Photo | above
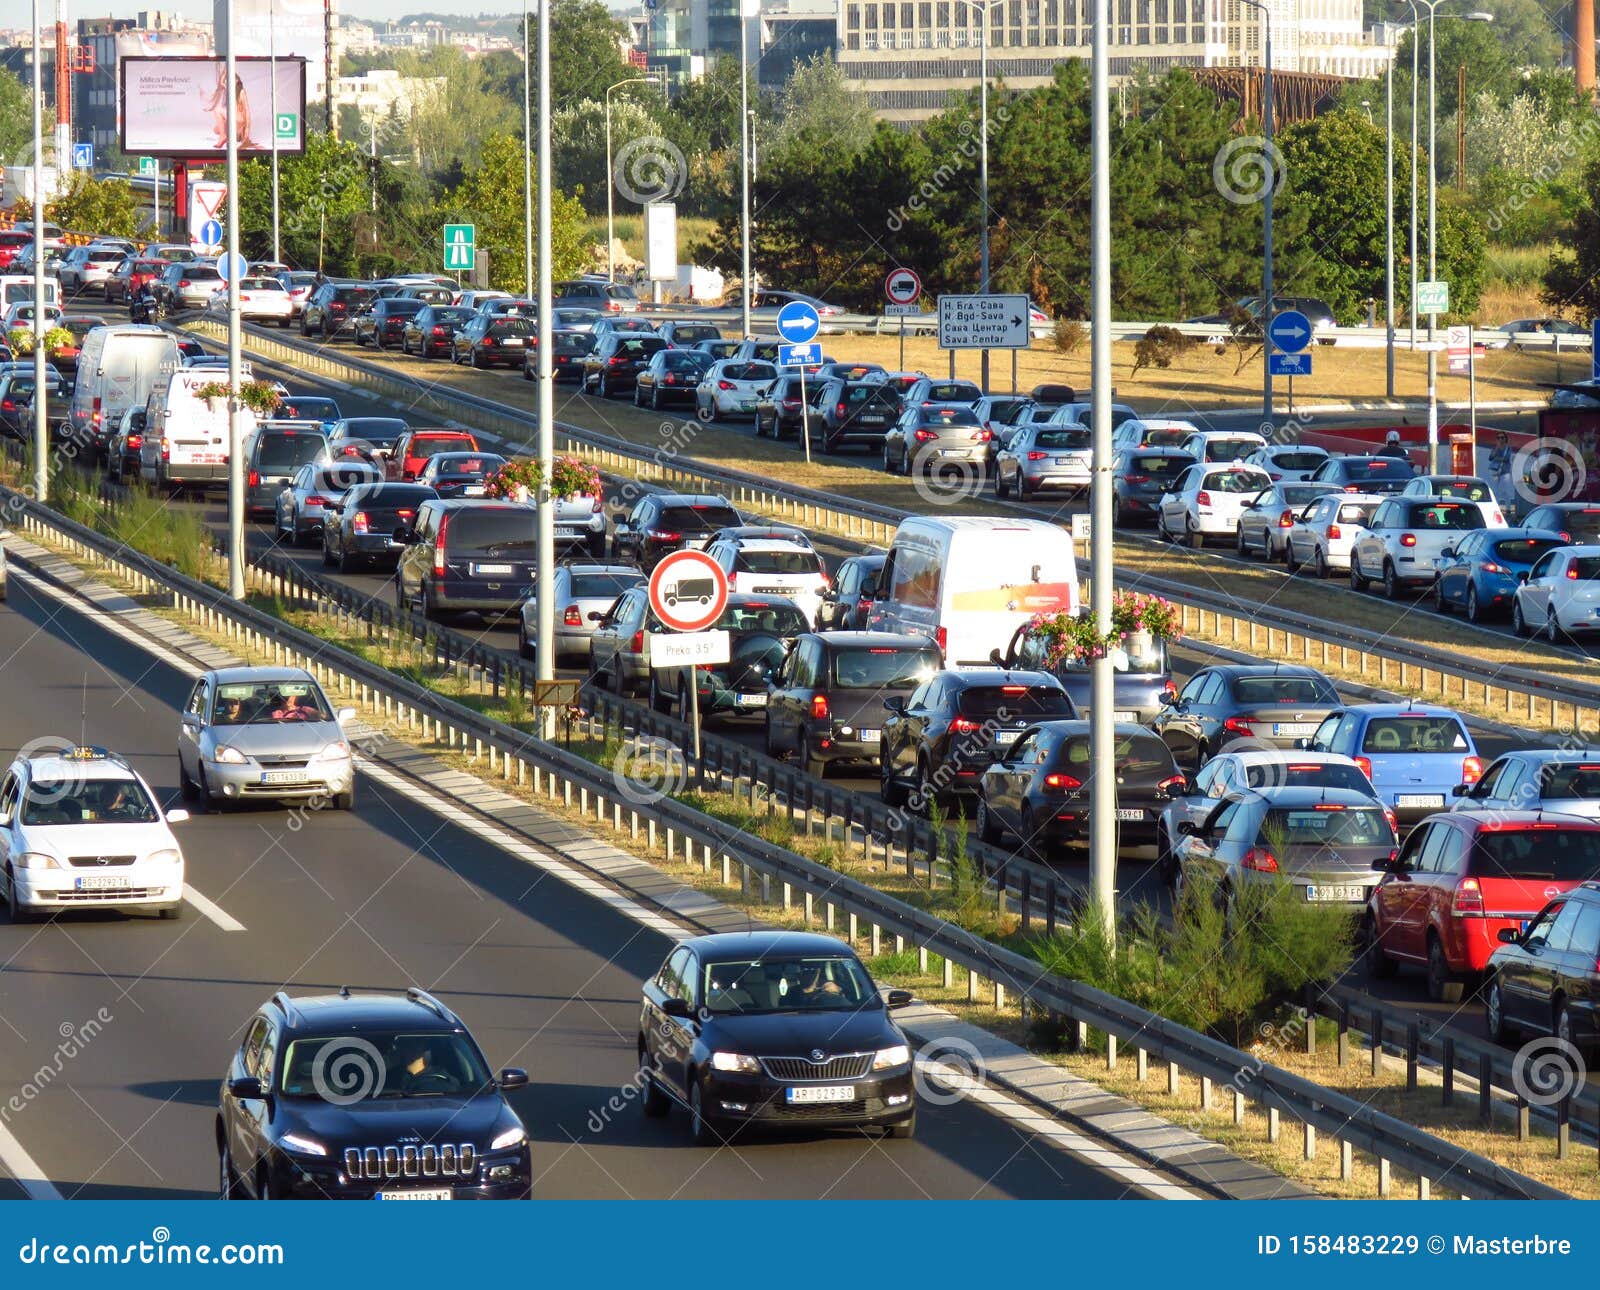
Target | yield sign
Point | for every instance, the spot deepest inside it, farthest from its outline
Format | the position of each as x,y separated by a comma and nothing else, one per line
209,198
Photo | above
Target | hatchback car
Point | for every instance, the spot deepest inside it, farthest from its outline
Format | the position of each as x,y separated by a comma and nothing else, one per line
1480,574
1460,488
459,474
1463,879
385,323
831,697
1323,533
186,286
663,522
1265,524
1545,978
937,740
1141,665
1139,480
731,387
1414,754
785,408
1364,474
570,347
938,389
854,412
429,331
273,454
773,1029
935,439
369,438
304,500
467,554
602,297
1405,539
1560,594
490,340
773,566
684,333
1288,462
415,445
670,376
1575,521
1276,705
583,591
368,526
847,600
1044,456
87,268
331,310
248,733
1134,432
1222,446
1205,502
1565,781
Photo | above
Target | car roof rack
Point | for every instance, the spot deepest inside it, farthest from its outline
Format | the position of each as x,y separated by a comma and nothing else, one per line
421,996
285,1005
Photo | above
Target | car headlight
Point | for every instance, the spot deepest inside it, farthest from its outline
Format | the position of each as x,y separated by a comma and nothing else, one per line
735,1062
232,756
37,860
304,1145
167,856
887,1058
509,1138
333,752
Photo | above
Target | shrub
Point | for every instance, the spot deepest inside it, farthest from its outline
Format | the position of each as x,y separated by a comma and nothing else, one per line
1070,335
1159,346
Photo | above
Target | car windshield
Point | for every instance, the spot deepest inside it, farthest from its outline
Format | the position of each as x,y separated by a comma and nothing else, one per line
429,445
1468,490
1141,756
92,801
1269,690
1376,467
290,449
1584,568
1278,774
1229,449
822,983
1298,460
297,408
380,1066
380,434
1160,467
780,562
1165,438
603,586
1235,481
1444,515
454,463
698,519
1300,494
1414,735
883,668
1325,825
1138,653
1075,439
340,477
1354,513
1524,550
953,392
1013,702
268,703
511,327
1548,853
779,617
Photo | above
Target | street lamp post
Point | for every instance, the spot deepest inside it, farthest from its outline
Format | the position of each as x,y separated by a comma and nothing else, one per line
41,433
545,533
1388,227
272,51
527,154
744,168
611,180
1266,208
236,548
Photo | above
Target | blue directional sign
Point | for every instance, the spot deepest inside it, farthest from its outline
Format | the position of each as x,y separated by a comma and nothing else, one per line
211,233
1289,332
228,265
799,355
1289,365
83,156
798,322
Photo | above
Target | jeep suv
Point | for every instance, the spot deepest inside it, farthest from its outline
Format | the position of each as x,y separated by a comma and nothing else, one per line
367,1097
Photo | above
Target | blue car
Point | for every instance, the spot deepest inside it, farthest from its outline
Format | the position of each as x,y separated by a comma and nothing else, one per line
308,407
1479,575
1414,754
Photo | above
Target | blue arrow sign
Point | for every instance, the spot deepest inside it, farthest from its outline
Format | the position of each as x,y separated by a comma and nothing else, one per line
1289,332
799,355
83,156
798,322
211,233
1289,365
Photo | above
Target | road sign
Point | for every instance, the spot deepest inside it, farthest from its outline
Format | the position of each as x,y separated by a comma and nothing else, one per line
1462,347
83,156
798,322
902,286
901,311
460,247
688,591
286,126
688,649
147,167
1289,331
983,322
1289,365
1433,297
211,232
228,265
799,355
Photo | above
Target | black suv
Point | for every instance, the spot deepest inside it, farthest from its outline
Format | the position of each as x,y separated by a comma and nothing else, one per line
367,1097
333,308
614,364
663,522
855,412
385,323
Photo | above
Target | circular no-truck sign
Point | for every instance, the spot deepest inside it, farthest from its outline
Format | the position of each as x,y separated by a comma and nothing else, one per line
688,591
902,286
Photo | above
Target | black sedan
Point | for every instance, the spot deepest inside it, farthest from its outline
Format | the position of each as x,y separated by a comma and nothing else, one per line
669,377
488,341
370,438
385,323
773,1029
1543,978
760,630
361,527
428,332
568,350
459,474
616,361
1271,705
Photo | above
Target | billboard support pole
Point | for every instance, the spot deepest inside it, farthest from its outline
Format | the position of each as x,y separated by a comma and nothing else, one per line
41,433
236,553
545,532
328,68
272,52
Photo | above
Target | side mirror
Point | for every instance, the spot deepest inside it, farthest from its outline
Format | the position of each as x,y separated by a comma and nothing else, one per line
247,1086
1303,743
1168,699
346,716
1383,865
1522,578
513,1077
596,616
410,474
895,703
1509,935
1449,553
178,816
1188,828
997,658
1461,790
675,1007
897,999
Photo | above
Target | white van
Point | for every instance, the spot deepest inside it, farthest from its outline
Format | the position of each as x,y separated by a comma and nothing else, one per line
117,370
17,289
186,436
970,581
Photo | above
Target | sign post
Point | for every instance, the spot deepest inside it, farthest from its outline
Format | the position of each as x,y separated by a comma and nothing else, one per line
903,288
460,248
1288,336
1433,298
688,593
798,356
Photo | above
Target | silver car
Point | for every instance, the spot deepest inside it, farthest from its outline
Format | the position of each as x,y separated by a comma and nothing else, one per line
263,732
302,501
580,590
928,437
1043,456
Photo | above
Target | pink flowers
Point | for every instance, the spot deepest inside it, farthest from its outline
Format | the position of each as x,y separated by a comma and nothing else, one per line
522,476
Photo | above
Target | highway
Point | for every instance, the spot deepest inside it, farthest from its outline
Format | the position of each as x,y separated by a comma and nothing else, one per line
391,895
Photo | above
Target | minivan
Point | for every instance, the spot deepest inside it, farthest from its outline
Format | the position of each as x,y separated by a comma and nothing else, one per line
272,455
117,370
464,553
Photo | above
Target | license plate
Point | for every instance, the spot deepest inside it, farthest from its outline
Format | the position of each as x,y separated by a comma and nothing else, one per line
436,1193
1122,714
747,405
750,700
869,736
512,344
1343,893
1005,738
472,490
871,421
1294,729
100,884
822,1093
487,569
282,776
1130,813
1420,799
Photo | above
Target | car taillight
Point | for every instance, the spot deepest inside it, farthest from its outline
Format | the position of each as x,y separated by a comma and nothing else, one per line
1566,537
1499,520
437,330
1572,572
598,506
1237,726
1273,478
925,436
1261,860
819,705
571,618
1171,687
1352,488
1408,539
962,726
1286,520
8,405
314,500
983,436
1062,782
1171,785
358,522
1468,898
1394,823
1364,764
1202,499
1037,455
636,645
661,536
1489,566
1334,533
724,385
613,307
135,440
438,547
253,479
1471,770
940,637
183,282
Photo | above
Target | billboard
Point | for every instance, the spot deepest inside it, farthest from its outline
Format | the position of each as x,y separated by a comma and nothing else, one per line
287,28
178,107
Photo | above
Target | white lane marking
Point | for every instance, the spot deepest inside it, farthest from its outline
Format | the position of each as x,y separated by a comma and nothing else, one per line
1031,1120
215,912
24,1169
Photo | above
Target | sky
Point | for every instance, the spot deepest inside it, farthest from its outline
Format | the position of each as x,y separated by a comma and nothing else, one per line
18,13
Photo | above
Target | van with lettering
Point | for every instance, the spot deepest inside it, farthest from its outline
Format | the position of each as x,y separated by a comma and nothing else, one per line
186,434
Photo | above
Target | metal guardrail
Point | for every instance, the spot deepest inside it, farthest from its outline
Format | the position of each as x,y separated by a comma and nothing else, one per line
559,774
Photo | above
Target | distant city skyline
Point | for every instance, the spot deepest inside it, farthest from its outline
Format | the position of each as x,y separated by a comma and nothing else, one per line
19,13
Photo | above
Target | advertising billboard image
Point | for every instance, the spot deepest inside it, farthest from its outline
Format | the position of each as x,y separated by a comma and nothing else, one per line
178,107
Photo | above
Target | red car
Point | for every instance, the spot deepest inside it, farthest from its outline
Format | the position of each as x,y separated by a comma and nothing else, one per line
414,447
12,241
1463,876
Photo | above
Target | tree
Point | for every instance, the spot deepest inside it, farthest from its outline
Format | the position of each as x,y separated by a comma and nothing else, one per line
16,120
1572,280
637,146
449,121
104,206
320,194
817,110
586,44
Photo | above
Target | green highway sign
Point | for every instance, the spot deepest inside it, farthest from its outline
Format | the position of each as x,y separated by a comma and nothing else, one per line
460,248
1433,297
147,167
286,126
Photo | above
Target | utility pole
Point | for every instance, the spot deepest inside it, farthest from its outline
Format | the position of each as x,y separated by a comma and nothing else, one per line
236,551
545,534
329,63
63,90
744,166
41,431
272,50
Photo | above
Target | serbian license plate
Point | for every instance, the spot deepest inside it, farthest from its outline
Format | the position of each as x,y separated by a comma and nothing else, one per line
869,736
493,569
100,884
1420,799
1005,738
871,421
282,776
472,490
821,1093
1122,714
1342,893
1294,729
434,1193
750,700
1130,813
512,343
747,405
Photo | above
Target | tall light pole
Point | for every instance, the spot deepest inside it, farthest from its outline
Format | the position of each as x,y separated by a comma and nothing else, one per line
41,431
236,552
272,52
983,7
611,180
527,154
1266,209
545,532
1388,226
744,167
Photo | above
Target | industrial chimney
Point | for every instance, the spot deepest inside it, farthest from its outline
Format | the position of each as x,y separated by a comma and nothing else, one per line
1583,44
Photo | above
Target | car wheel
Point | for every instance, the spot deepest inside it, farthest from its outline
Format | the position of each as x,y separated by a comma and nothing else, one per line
345,801
890,789
601,389
755,427
1378,964
425,605
1003,489
171,913
1494,1013
524,645
1240,549
186,786
638,401
345,562
327,555
1442,984
1291,565
701,1128
1563,1029
1319,562
1391,581
988,830
16,911
811,764
202,795
888,466
704,415
227,1180
1436,600
927,790
686,704
655,1103
1197,539
1474,610
1357,582
1552,628
1519,624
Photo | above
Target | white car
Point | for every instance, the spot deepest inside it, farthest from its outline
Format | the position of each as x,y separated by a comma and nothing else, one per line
20,317
1206,500
1221,445
1288,462
81,829
1562,594
1403,541
1145,432
299,284
1324,532
1461,488
88,266
773,567
260,300
731,387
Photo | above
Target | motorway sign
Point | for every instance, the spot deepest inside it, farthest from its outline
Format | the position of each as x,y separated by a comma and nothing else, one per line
1289,331
460,248
799,355
211,232
1289,365
983,322
1433,297
83,156
688,649
147,167
688,591
902,286
798,322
